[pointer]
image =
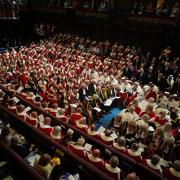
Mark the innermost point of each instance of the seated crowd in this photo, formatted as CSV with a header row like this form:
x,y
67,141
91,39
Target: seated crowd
x,y
78,80
49,167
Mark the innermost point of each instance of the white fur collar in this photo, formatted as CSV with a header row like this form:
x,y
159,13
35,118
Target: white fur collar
x,y
53,110
112,170
175,173
80,125
132,153
115,145
92,133
105,138
32,118
78,147
156,167
93,159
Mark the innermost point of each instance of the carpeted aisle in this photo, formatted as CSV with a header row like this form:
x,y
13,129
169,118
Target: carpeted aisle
x,y
105,120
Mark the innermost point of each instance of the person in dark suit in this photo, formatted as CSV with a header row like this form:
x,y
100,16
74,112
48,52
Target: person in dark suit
x,y
127,72
83,93
142,76
159,80
92,88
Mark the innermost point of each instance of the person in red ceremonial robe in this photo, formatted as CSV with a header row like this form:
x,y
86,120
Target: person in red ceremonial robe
x,y
173,173
12,106
44,106
33,119
134,152
112,168
95,158
154,163
52,94
148,111
160,119
152,92
21,113
78,148
46,126
30,97
56,133
81,124
106,137
23,78
135,104
92,132
120,144
76,116
54,110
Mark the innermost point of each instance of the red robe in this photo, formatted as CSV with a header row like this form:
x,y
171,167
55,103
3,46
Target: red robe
x,y
75,117
114,175
167,173
97,163
46,129
80,152
150,94
32,121
160,120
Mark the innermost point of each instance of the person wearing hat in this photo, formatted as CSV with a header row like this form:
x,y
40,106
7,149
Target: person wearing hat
x,y
95,158
56,133
112,169
106,137
172,173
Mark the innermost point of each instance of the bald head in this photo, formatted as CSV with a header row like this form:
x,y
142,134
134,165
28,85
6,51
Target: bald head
x,y
131,176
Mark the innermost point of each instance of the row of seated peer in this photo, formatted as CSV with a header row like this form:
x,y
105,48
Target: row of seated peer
x,y
134,151
110,167
67,69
